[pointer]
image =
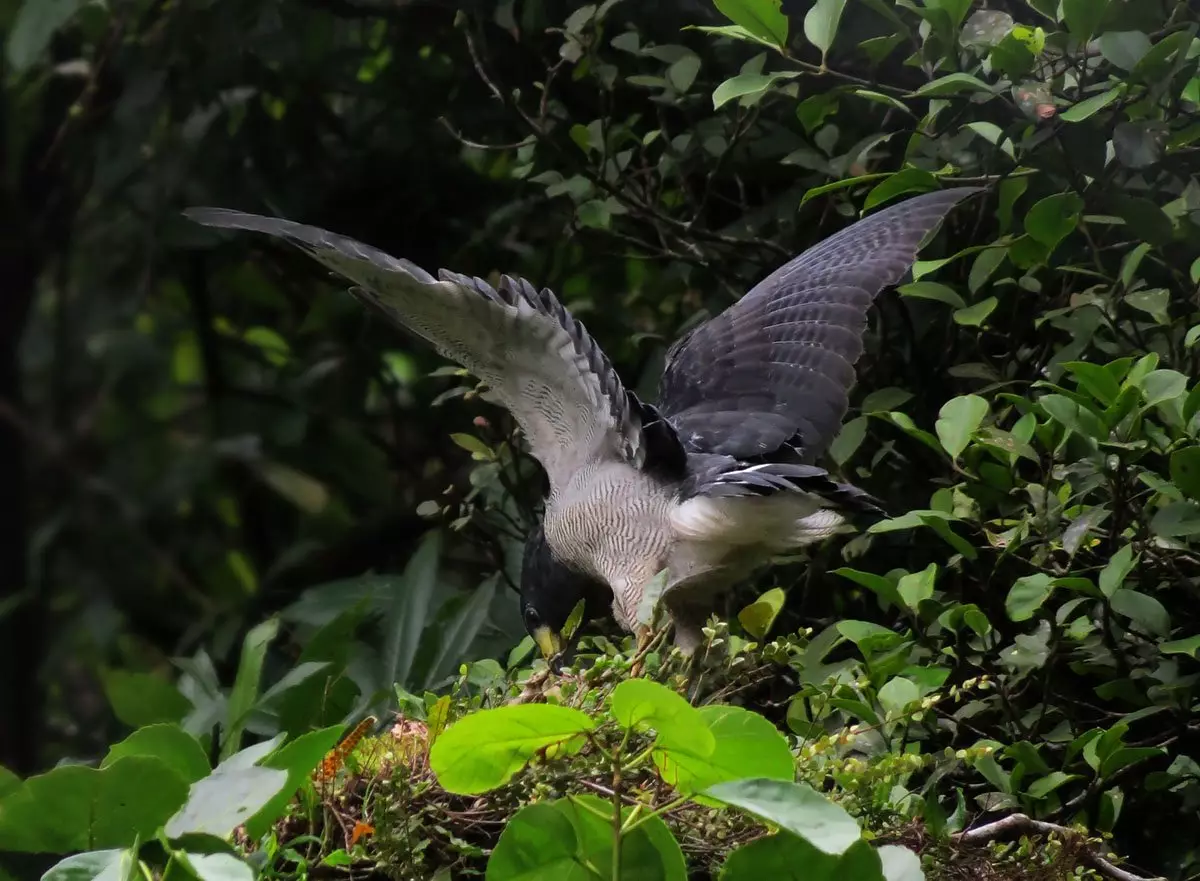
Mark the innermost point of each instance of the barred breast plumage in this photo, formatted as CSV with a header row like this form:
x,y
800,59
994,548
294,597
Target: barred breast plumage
x,y
613,522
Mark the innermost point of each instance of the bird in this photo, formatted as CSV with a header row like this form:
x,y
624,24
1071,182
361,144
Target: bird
x,y
695,491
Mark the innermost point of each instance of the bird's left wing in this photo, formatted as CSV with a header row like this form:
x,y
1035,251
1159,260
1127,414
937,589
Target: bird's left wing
x,y
536,359
775,367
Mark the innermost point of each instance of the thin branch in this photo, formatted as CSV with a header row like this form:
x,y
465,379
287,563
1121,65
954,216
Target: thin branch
x,y
1018,823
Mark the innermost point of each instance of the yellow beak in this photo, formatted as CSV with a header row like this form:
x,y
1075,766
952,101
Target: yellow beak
x,y
548,641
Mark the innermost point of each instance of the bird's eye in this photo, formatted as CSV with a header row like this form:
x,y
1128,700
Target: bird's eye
x,y
532,619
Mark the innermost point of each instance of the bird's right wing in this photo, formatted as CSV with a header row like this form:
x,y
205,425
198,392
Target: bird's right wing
x,y
776,366
536,359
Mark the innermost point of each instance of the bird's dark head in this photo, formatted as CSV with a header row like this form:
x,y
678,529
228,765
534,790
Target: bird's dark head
x,y
550,591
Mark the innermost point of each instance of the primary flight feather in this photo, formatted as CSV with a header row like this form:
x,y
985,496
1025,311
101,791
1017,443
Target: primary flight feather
x,y
710,483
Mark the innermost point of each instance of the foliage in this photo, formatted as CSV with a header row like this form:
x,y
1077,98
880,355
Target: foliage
x,y
214,445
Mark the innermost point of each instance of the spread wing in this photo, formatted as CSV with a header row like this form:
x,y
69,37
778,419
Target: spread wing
x,y
537,360
776,366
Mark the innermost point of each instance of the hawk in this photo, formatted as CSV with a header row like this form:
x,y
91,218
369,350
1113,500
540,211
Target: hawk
x,y
709,483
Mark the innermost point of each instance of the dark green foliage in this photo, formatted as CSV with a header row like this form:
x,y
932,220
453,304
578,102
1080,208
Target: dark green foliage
x,y
215,439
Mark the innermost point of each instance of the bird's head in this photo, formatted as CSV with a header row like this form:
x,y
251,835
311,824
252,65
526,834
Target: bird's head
x,y
550,591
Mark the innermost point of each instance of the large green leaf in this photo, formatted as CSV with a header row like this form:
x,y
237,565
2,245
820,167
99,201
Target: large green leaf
x,y
1053,218
409,609
573,839
1026,596
298,758
794,807
178,749
746,745
785,857
746,85
140,699
244,693
958,420
641,704
35,24
235,791
94,865
484,750
762,18
821,24
74,807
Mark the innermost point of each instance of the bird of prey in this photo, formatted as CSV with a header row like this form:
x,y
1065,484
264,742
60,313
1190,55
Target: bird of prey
x,y
698,489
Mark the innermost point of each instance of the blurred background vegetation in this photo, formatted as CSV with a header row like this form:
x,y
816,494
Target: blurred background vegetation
x,y
200,433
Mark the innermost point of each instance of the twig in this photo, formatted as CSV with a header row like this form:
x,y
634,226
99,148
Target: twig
x,y
1023,823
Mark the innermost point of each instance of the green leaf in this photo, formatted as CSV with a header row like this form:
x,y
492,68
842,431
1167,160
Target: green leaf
x,y
1176,520
484,750
1096,380
235,791
1159,386
571,840
73,807
868,636
1185,471
747,84
1083,16
952,84
882,587
794,807
1026,596
734,31
1053,218
758,617
217,867
244,693
1189,646
408,613
821,24
916,587
1153,301
642,703
34,25
977,313
1090,106
900,863
932,290
1144,610
1124,49
785,857
302,490
1119,565
9,781
175,747
539,842
1071,415
1044,786
96,865
762,18
985,265
849,439
897,693
957,421
907,180
682,73
745,745
140,699
299,759
460,631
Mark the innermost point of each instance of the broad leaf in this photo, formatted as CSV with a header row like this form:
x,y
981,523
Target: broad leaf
x,y
795,807
484,750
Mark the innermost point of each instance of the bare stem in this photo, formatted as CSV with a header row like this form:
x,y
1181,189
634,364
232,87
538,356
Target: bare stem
x,y
1022,823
